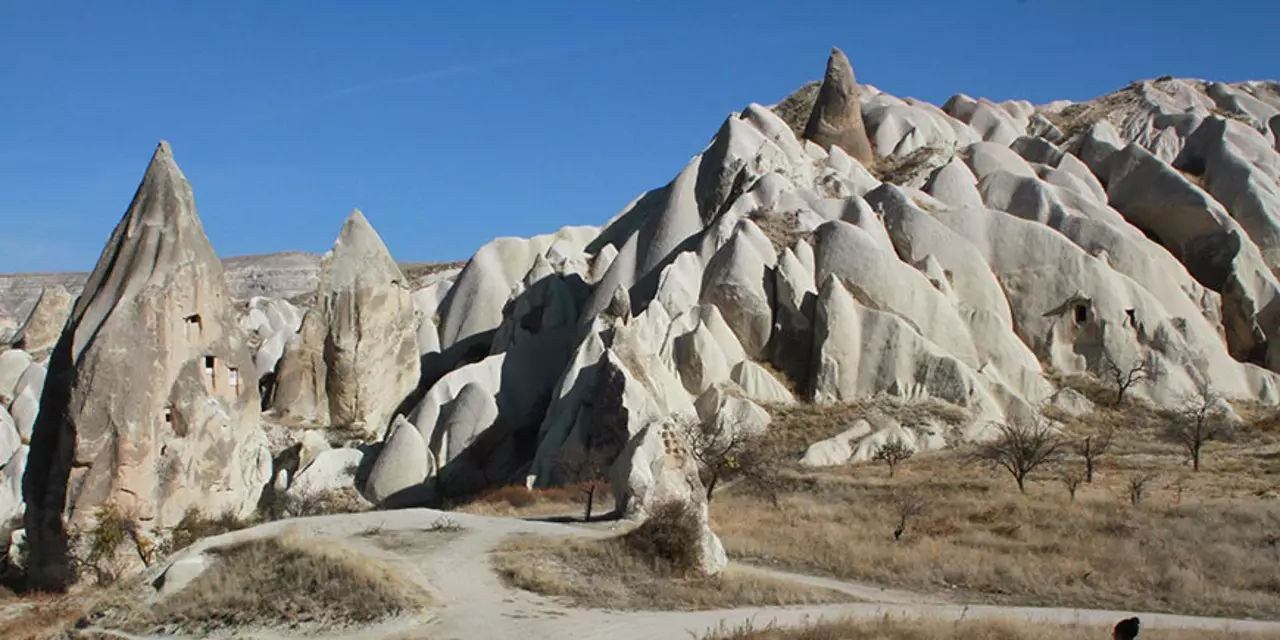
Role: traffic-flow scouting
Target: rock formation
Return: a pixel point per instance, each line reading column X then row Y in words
column 149, row 403
column 371, row 342
column 355, row 357
column 837, row 114
column 42, row 328
column 997, row 241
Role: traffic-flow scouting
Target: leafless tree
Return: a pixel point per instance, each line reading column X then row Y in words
column 719, row 455
column 1023, row 445
column 589, row 468
column 1123, row 374
column 1092, row 447
column 1138, row 487
column 892, row 452
column 1071, row 481
column 1202, row 419
column 907, row 506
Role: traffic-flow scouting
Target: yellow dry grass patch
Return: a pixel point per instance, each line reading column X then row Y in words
column 606, row 574
column 276, row 582
column 889, row 628
column 1204, row 543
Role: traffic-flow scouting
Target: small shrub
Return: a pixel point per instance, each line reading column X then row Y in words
column 1071, row 481
column 893, row 452
column 1138, row 487
column 903, row 169
column 669, row 539
column 195, row 526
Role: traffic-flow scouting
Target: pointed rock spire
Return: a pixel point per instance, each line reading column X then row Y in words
column 149, row 402
column 371, row 339
column 837, row 115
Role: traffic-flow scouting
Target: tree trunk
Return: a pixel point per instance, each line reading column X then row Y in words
column 711, row 485
column 1088, row 469
column 591, row 496
column 1021, row 485
column 1195, row 457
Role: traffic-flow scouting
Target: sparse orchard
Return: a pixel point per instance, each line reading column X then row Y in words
column 1022, row 446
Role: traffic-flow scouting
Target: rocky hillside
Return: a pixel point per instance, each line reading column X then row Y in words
column 847, row 244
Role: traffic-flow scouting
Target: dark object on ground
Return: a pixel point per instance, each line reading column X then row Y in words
column 1126, row 629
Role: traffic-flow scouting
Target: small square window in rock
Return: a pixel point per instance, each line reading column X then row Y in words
column 168, row 415
column 1082, row 313
column 1132, row 314
column 233, row 375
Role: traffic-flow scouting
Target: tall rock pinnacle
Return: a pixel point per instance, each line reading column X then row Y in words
column 371, row 344
column 150, row 403
column 837, row 115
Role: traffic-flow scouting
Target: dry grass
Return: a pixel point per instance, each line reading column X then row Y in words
column 275, row 582
column 890, row 628
column 797, row 426
column 901, row 170
column 781, row 228
column 517, row 501
column 608, row 574
column 43, row 617
column 796, row 107
column 1200, row 543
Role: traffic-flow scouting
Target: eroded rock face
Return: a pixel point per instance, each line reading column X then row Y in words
column 44, row 325
column 150, row 402
column 837, row 115
column 371, row 343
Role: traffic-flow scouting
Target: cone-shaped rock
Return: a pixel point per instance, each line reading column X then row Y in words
column 837, row 114
column 149, row 403
column 45, row 323
column 371, row 344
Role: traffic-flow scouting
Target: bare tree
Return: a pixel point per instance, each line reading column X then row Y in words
column 1123, row 375
column 719, row 455
column 1021, row 447
column 1202, row 419
column 892, row 452
column 587, row 467
column 907, row 506
column 1138, row 487
column 1071, row 481
column 1092, row 447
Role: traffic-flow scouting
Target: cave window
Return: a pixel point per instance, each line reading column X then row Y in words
column 168, row 415
column 1082, row 313
column 1133, row 317
column 208, row 369
column 234, row 375
column 194, row 325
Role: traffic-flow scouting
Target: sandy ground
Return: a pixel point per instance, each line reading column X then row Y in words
column 472, row 603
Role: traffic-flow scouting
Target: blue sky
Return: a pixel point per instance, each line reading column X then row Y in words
column 450, row 124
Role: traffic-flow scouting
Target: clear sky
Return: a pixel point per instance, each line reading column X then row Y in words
column 451, row 123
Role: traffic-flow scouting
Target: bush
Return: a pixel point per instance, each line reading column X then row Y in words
column 194, row 526
column 669, row 538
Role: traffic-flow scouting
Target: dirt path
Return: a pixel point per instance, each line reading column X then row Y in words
column 472, row 603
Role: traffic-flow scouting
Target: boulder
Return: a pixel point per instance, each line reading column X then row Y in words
column 331, row 470
column 24, row 410
column 759, row 385
column 1071, row 402
column 836, row 450
column 10, row 439
column 401, row 466
column 13, row 363
column 371, row 343
column 148, row 404
column 836, row 119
